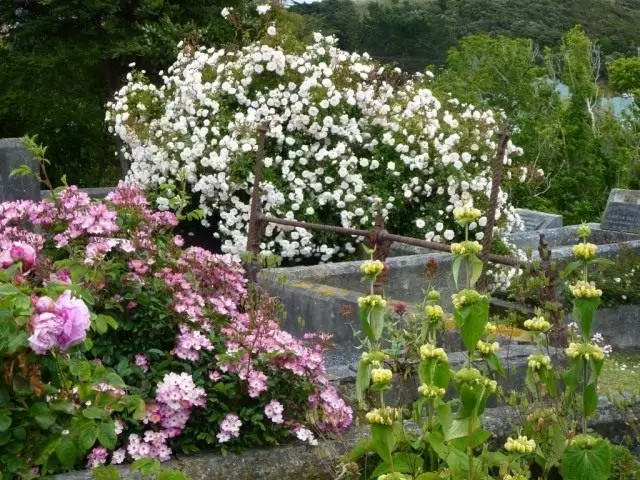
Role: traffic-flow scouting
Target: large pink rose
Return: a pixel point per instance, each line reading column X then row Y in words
column 61, row 324
column 76, row 319
column 47, row 328
column 18, row 251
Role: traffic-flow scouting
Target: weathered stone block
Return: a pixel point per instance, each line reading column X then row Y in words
column 13, row 154
column 623, row 211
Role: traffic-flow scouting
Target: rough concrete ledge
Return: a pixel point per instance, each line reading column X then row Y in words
column 295, row 462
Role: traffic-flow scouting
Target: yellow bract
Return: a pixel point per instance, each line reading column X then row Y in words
column 521, row 444
column 584, row 289
column 585, row 251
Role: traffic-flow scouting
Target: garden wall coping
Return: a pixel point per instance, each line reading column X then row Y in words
column 295, row 461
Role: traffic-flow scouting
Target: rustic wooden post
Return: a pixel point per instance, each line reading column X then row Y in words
column 379, row 241
column 549, row 298
column 496, row 180
column 256, row 223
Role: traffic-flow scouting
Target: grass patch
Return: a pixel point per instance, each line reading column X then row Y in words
column 621, row 372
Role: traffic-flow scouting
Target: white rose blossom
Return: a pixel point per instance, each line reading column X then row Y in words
column 339, row 133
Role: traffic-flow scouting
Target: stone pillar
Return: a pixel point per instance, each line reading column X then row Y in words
column 24, row 187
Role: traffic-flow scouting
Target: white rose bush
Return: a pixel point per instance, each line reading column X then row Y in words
column 345, row 138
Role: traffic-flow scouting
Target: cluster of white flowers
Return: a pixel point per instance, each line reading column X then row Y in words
column 344, row 139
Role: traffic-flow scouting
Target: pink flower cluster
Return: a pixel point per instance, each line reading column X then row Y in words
column 63, row 323
column 273, row 411
column 229, row 428
column 189, row 343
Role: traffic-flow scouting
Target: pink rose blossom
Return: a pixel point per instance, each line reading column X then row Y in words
column 63, row 327
column 18, row 252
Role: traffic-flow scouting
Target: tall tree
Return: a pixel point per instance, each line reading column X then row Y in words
column 62, row 60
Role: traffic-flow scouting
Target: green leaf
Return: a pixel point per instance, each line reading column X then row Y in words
column 376, row 320
column 584, row 310
column 587, row 464
column 476, row 270
column 67, row 451
column 94, row 413
column 455, row 269
column 140, row 409
column 495, row 364
column 5, row 422
column 382, row 441
column 429, row 476
column 471, row 320
column 172, row 475
column 572, row 267
column 366, row 326
column 590, row 399
column 436, row 441
column 362, row 448
column 403, row 462
column 363, row 378
column 441, row 375
column 105, row 473
column 88, row 435
column 460, row 428
column 107, row 435
column 8, row 289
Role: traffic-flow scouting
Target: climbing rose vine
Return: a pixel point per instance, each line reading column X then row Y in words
column 345, row 138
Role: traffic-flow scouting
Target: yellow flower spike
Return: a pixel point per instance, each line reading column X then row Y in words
column 372, row 268
column 521, row 444
column 487, row 348
column 372, row 301
column 537, row 324
column 429, row 351
column 585, row 251
column 584, row 289
column 381, row 376
column 466, row 214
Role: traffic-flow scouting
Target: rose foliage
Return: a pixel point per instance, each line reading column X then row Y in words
column 345, row 137
column 116, row 343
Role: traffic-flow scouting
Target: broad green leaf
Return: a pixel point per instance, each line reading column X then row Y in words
column 105, row 473
column 436, row 441
column 172, row 475
column 403, row 462
column 495, row 364
column 107, row 435
column 5, row 422
column 461, row 428
column 366, row 326
column 590, row 399
column 94, row 413
column 67, row 451
column 363, row 378
column 476, row 270
column 429, row 476
column 569, row 269
column 7, row 289
column 88, row 435
column 471, row 320
column 376, row 320
column 587, row 464
column 584, row 310
column 455, row 269
column 441, row 375
column 140, row 409
column 382, row 441
column 362, row 448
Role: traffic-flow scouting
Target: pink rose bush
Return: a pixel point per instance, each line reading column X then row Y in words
column 202, row 348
